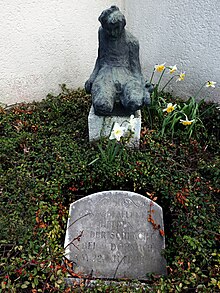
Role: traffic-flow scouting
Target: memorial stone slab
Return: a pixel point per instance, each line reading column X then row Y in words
column 115, row 234
column 101, row 126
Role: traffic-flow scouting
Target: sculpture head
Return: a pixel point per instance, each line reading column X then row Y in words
column 113, row 22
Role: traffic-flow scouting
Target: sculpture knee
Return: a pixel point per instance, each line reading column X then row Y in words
column 103, row 98
column 103, row 104
column 133, row 96
column 102, row 107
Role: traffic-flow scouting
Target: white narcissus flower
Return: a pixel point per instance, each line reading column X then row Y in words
column 181, row 76
column 210, row 84
column 159, row 67
column 187, row 121
column 172, row 69
column 170, row 108
column 117, row 132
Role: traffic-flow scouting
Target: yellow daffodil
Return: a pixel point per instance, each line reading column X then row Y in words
column 170, row 108
column 117, row 132
column 159, row 67
column 187, row 121
column 181, row 76
column 172, row 69
column 210, row 84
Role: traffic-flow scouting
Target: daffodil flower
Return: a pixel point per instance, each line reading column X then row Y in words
column 210, row 84
column 159, row 67
column 117, row 132
column 187, row 121
column 172, row 69
column 181, row 76
column 170, row 108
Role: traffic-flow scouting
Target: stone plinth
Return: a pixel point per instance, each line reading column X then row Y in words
column 115, row 234
column 101, row 126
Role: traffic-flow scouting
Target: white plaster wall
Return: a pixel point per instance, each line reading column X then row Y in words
column 47, row 43
column 186, row 33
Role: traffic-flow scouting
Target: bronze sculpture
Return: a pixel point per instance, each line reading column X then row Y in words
column 116, row 81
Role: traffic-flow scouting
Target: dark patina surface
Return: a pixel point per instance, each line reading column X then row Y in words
column 116, row 83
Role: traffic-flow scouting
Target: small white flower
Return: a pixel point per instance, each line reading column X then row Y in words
column 172, row 69
column 210, row 84
column 117, row 132
column 170, row 108
column 181, row 76
column 187, row 121
column 159, row 67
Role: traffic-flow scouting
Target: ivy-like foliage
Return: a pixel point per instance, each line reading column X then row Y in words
column 47, row 162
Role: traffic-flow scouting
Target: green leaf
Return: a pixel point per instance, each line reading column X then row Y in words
column 24, row 286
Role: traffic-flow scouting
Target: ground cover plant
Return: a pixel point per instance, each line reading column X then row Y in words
column 47, row 163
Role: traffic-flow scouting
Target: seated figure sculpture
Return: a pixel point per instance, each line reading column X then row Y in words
column 117, row 77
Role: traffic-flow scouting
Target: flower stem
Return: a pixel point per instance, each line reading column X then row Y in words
column 152, row 75
column 199, row 90
column 168, row 82
column 161, row 77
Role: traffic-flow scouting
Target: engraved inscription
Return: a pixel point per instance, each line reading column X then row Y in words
column 121, row 235
column 88, row 245
column 117, row 240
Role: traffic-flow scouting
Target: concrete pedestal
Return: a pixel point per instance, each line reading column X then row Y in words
column 101, row 126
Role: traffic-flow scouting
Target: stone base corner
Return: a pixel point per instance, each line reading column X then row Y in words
column 101, row 126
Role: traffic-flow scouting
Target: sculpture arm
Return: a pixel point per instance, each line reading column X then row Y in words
column 89, row 82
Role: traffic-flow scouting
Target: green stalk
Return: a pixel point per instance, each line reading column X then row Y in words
column 199, row 90
column 152, row 76
column 168, row 82
column 161, row 77
column 150, row 117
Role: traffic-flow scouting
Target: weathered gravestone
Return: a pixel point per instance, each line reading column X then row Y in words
column 121, row 236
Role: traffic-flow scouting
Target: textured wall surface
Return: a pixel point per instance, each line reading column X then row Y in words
column 46, row 43
column 186, row 33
